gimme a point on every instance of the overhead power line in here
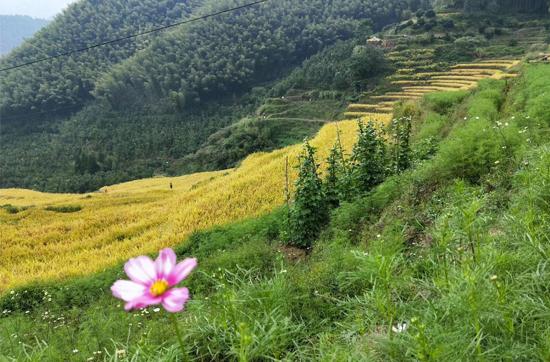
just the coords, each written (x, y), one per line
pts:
(63, 54)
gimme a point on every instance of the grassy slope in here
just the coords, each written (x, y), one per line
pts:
(457, 247)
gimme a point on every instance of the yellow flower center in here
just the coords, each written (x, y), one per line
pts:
(159, 287)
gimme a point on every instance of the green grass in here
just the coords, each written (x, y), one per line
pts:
(443, 102)
(457, 247)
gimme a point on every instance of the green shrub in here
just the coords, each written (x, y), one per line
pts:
(488, 99)
(531, 95)
(475, 149)
(407, 109)
(65, 209)
(368, 158)
(309, 213)
(10, 209)
(431, 126)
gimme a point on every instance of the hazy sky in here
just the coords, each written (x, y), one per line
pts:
(36, 8)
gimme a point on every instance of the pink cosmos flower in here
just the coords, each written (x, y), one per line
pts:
(152, 282)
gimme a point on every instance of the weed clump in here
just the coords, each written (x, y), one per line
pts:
(65, 209)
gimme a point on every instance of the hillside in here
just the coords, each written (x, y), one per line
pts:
(463, 230)
(164, 216)
(358, 180)
(146, 117)
(172, 90)
(14, 29)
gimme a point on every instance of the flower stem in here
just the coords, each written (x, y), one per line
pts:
(180, 339)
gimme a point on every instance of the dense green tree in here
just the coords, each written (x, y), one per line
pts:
(401, 149)
(333, 179)
(309, 212)
(368, 158)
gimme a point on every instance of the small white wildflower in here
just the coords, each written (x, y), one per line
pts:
(156, 310)
(378, 236)
(497, 162)
(75, 350)
(400, 327)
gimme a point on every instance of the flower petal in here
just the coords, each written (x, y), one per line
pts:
(128, 290)
(165, 263)
(174, 299)
(142, 302)
(181, 271)
(141, 270)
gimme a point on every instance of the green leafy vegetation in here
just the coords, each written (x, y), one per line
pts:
(439, 262)
(66, 209)
(431, 264)
(10, 209)
(309, 213)
(346, 65)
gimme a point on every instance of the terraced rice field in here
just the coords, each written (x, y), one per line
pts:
(414, 85)
(55, 236)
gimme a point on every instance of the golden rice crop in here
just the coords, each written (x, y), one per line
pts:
(486, 65)
(140, 217)
(461, 77)
(359, 106)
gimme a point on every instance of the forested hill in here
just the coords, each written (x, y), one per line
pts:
(67, 81)
(14, 29)
(227, 55)
(204, 95)
(494, 6)
(204, 59)
(138, 107)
